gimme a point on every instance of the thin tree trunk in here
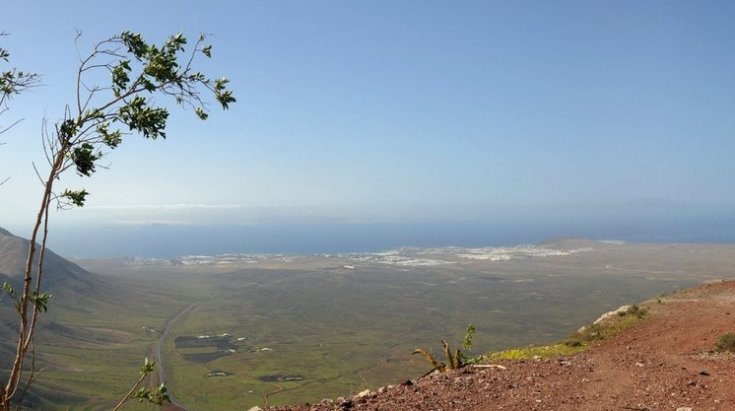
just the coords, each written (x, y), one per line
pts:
(25, 332)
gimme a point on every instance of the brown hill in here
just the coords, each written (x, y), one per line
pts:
(665, 362)
(83, 319)
(71, 286)
(13, 254)
(74, 291)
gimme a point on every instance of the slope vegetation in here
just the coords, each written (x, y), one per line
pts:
(98, 328)
(666, 362)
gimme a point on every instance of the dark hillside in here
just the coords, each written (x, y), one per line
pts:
(92, 319)
(72, 287)
(58, 272)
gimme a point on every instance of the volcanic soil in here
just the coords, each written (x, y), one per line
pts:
(666, 362)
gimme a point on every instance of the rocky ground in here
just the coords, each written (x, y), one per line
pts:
(667, 362)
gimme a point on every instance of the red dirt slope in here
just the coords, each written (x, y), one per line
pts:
(665, 363)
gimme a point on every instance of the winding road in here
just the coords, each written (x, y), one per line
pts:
(156, 349)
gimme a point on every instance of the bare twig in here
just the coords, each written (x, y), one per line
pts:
(130, 393)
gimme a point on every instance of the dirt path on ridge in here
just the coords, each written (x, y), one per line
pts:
(664, 363)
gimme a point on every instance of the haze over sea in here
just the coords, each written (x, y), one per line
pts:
(362, 126)
(313, 236)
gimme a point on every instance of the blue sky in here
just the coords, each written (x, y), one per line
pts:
(400, 111)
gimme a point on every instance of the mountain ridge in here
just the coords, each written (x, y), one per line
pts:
(14, 254)
(72, 287)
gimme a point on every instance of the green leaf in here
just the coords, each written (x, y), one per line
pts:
(8, 288)
(111, 139)
(67, 129)
(151, 122)
(135, 44)
(148, 367)
(222, 94)
(176, 43)
(76, 197)
(120, 74)
(207, 51)
(201, 113)
(84, 158)
(40, 300)
(467, 340)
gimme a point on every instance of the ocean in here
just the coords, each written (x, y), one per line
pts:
(166, 241)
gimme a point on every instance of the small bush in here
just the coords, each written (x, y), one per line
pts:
(726, 343)
(573, 343)
(456, 359)
(637, 311)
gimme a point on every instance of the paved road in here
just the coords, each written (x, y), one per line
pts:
(175, 404)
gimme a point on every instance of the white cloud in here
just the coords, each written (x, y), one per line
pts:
(153, 222)
(181, 206)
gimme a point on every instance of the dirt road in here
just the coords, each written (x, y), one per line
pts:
(175, 404)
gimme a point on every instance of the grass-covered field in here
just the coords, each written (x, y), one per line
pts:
(307, 328)
(90, 354)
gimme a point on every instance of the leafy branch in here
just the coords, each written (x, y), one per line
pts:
(13, 81)
(102, 118)
(157, 396)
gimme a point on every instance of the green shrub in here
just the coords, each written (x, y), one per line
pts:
(637, 311)
(454, 360)
(726, 343)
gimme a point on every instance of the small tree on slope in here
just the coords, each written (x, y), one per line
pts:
(101, 117)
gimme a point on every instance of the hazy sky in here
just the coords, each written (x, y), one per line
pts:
(390, 110)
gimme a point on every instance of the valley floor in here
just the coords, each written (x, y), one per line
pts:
(667, 362)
